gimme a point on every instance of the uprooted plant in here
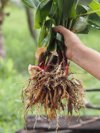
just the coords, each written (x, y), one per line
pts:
(50, 84)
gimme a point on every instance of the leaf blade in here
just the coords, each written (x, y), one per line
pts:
(95, 6)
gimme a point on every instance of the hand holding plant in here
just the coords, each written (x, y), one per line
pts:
(50, 82)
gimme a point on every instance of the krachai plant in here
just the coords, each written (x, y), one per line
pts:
(51, 84)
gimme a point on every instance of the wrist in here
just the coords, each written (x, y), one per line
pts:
(78, 52)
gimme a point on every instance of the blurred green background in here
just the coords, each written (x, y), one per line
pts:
(20, 49)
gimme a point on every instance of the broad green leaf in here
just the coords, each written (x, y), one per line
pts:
(42, 12)
(53, 11)
(59, 5)
(95, 6)
(67, 7)
(44, 37)
(29, 3)
(59, 11)
(67, 11)
(84, 2)
(73, 12)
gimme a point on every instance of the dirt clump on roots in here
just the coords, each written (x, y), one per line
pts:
(53, 90)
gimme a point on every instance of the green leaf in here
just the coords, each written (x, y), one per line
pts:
(84, 2)
(42, 35)
(52, 44)
(46, 40)
(36, 2)
(67, 7)
(42, 12)
(95, 6)
(68, 11)
(59, 5)
(54, 12)
(59, 11)
(73, 13)
(31, 3)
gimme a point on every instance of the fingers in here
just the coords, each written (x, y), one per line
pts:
(69, 36)
(62, 30)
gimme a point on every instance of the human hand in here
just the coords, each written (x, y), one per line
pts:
(72, 42)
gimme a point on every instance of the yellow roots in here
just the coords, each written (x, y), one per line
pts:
(54, 91)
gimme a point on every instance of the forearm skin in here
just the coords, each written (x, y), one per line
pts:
(88, 59)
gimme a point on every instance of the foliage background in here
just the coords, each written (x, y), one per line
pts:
(20, 49)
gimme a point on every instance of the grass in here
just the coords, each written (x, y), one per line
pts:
(20, 50)
(18, 42)
(10, 104)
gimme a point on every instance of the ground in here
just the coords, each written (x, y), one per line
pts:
(20, 52)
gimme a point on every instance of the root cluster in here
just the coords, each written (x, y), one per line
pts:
(54, 91)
